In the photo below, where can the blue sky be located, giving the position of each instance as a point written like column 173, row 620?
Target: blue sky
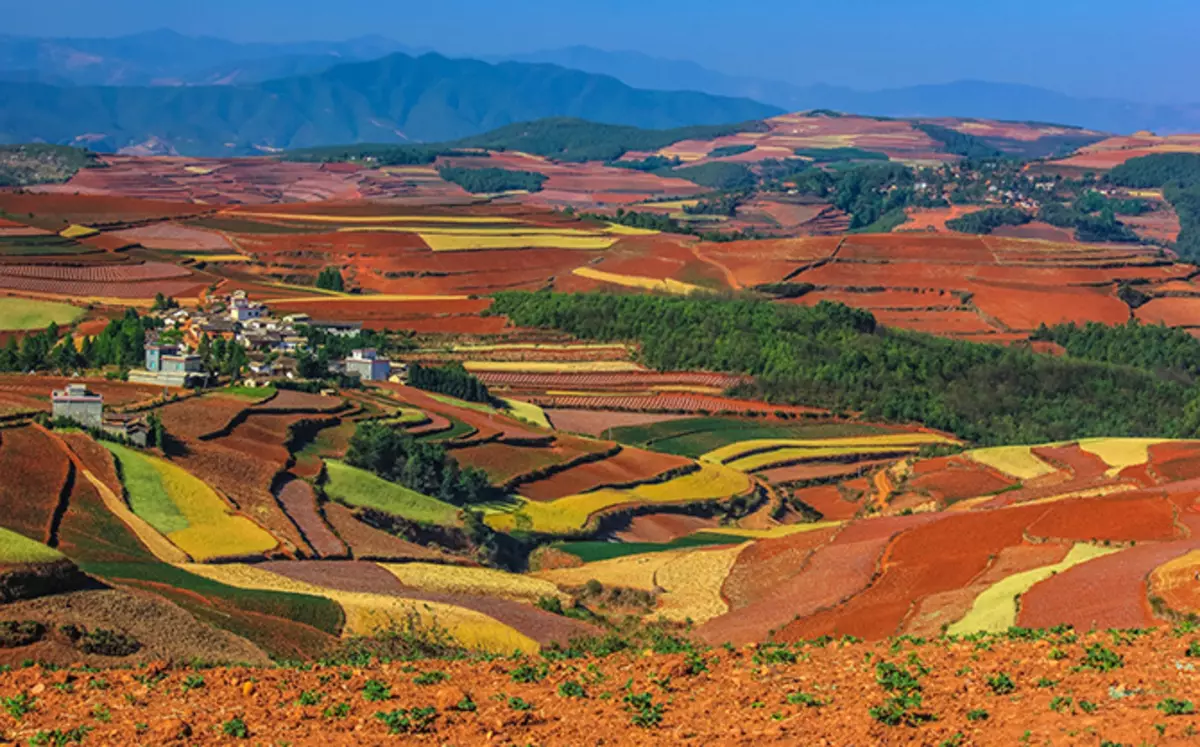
column 1143, row 50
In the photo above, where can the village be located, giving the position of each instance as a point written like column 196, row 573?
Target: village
column 269, row 349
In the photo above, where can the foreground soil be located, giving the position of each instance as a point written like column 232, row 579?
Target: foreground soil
column 1098, row 688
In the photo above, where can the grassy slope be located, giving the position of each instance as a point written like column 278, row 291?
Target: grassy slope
column 592, row 551
column 148, row 497
column 692, row 437
column 360, row 488
column 24, row 313
column 17, row 548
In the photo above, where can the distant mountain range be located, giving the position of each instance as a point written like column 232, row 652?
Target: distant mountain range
column 394, row 99
column 968, row 98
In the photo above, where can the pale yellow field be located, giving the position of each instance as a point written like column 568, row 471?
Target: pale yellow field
column 785, row 530
column 620, row 230
column 74, row 231
column 671, row 205
column 629, row 571
column 1175, row 573
column 1014, row 461
column 451, row 579
column 371, row 219
column 995, row 610
column 219, row 257
column 200, row 170
column 1096, row 492
column 1119, row 453
column 865, row 443
column 367, row 614
column 553, row 366
column 692, row 388
column 636, row 281
column 530, row 413
column 213, row 531
column 570, row 514
column 461, row 242
column 692, row 582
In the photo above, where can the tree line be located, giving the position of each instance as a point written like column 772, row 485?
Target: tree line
column 834, row 356
column 451, row 380
column 1178, row 175
column 421, row 466
column 492, row 179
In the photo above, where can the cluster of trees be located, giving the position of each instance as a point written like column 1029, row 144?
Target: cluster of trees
column 331, row 279
column 1099, row 227
column 835, row 356
column 222, row 356
column 452, row 380
column 493, row 179
column 650, row 163
column 1178, row 175
column 575, row 140
column 667, row 224
column 424, row 467
column 833, row 155
column 725, row 151
column 1154, row 347
column 960, row 143
column 987, row 220
column 122, row 344
column 322, row 347
column 719, row 175
column 380, row 153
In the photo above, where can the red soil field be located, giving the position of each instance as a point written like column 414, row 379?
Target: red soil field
column 589, row 381
column 629, row 465
column 829, row 500
column 1107, row 592
column 28, row 503
column 939, row 556
column 956, row 478
column 882, row 299
column 95, row 458
column 97, row 273
column 116, row 393
column 934, row 219
column 300, row 503
column 935, row 322
column 368, row 543
column 1171, row 311
column 199, row 416
column 893, row 247
column 817, row 471
column 1036, row 230
column 93, row 210
column 1082, row 465
column 663, row 527
column 1139, row 517
column 1024, row 309
column 486, row 424
column 504, row 462
column 762, row 567
column 666, row 403
column 176, row 237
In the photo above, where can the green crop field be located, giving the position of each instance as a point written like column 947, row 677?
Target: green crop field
column 148, row 497
column 360, row 488
column 17, row 548
column 458, row 429
column 589, row 552
column 24, row 313
column 19, row 246
column 693, row 437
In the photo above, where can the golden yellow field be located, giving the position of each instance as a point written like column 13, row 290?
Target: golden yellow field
column 619, row 230
column 461, row 242
column 451, row 579
column 671, row 204
column 995, row 610
column 530, row 413
column 75, row 231
column 691, row 584
column 1015, row 461
column 199, row 170
column 867, row 444
column 553, row 366
column 636, row 281
column 783, row 530
column 628, row 571
column 219, row 257
column 570, row 514
column 780, row 457
column 213, row 532
column 1119, row 453
column 371, row 219
column 367, row 614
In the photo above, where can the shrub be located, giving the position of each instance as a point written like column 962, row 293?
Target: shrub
column 18, row 705
column 804, row 699
column 431, row 678
column 408, row 720
column 528, row 674
column 14, row 634
column 236, row 728
column 1173, row 707
column 551, row 604
column 646, row 713
column 1001, row 684
column 100, row 641
column 1193, row 649
column 977, row 714
column 572, row 689
column 375, row 691
column 519, row 704
column 309, row 698
column 1101, row 659
column 192, row 682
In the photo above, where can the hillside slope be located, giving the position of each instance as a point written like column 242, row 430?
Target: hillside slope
column 393, row 99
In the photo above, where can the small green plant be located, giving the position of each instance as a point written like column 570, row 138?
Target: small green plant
column 339, row 711
column 98, row 684
column 646, row 714
column 904, row 705
column 1193, row 650
column 963, row 671
column 466, row 705
column 696, row 663
column 59, row 737
column 1101, row 659
column 19, row 705
column 236, row 728
column 529, row 674
column 1087, row 706
column 774, row 653
column 1173, row 707
column 408, row 720
column 375, row 691
column 1001, row 684
column 572, row 689
column 431, row 678
column 1057, row 654
column 309, row 698
column 977, row 714
column 101, row 713
column 804, row 699
column 519, row 704
column 1060, row 703
column 551, row 604
column 192, row 682
column 1046, row 682
column 954, row 740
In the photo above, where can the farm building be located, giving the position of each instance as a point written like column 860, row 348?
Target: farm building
column 76, row 403
column 366, row 365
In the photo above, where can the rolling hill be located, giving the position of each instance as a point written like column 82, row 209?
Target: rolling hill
column 394, row 99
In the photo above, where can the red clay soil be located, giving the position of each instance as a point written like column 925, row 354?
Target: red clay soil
column 116, row 393
column 505, row 462
column 35, row 470
column 1025, row 309
column 95, row 458
column 1171, row 311
column 736, row 701
column 939, row 556
column 368, row 543
column 955, row 479
column 1107, row 592
column 799, row 473
column 543, row 627
column 595, row 423
column 663, row 527
column 1138, row 517
column 300, row 503
column 199, row 416
column 829, row 500
column 627, row 466
column 762, row 567
column 931, row 614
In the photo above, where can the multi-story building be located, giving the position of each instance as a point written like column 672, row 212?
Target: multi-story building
column 76, row 403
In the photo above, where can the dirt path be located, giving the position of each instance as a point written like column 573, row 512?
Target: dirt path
column 729, row 276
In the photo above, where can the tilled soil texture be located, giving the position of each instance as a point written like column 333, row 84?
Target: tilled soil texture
column 1060, row 689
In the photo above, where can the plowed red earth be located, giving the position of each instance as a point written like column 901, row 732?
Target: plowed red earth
column 368, row 543
column 34, row 470
column 829, row 501
column 300, row 503
column 954, row 478
column 595, row 423
column 628, row 466
column 1136, row 518
column 736, row 701
column 663, row 527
